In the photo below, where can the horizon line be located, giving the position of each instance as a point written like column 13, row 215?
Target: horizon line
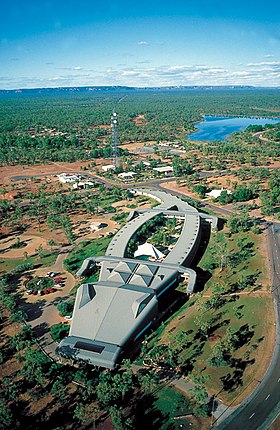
column 138, row 88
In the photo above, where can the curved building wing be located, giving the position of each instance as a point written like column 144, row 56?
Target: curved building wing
column 114, row 312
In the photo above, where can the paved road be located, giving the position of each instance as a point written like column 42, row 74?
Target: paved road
column 203, row 174
column 264, row 403
column 218, row 209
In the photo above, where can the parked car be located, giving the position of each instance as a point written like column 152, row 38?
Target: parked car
column 68, row 318
column 51, row 274
column 51, row 290
column 34, row 292
column 45, row 291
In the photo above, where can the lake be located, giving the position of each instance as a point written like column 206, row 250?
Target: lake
column 220, row 127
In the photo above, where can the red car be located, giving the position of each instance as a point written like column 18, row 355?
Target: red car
column 51, row 290
column 45, row 291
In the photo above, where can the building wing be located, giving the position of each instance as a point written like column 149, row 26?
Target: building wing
column 114, row 312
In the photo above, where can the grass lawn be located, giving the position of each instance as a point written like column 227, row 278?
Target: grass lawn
column 172, row 403
column 86, row 249
column 251, row 355
column 39, row 283
column 107, row 199
column 249, row 359
column 48, row 258
column 248, row 314
column 256, row 263
column 93, row 278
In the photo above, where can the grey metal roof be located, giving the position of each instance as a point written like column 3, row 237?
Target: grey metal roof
column 109, row 315
column 119, row 242
column 124, row 302
column 146, row 269
column 105, row 356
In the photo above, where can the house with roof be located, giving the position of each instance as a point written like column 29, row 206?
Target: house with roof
column 68, row 177
column 216, row 193
column 166, row 170
column 108, row 167
column 127, row 175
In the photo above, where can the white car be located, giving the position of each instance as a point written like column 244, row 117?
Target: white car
column 51, row 274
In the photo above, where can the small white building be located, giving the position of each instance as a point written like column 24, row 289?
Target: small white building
column 167, row 170
column 83, row 184
column 108, row 167
column 127, row 175
column 68, row 177
column 146, row 163
column 216, row 193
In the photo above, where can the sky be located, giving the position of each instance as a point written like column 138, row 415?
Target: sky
column 65, row 43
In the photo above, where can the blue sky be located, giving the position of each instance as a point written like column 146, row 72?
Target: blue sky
column 47, row 43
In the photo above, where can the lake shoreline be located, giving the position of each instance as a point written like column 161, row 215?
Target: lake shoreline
column 220, row 127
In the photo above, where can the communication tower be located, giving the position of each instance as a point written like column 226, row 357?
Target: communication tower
column 115, row 148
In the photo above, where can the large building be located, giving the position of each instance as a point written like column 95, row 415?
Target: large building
column 112, row 314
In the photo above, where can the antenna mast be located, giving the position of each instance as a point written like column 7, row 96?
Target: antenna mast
column 115, row 149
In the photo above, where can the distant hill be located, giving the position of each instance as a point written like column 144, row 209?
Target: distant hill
column 63, row 90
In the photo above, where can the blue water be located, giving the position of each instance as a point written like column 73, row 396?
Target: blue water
column 220, row 127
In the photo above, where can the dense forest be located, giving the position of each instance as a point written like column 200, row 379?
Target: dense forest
column 69, row 127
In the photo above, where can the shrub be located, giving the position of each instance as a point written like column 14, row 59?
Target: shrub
column 59, row 331
column 66, row 308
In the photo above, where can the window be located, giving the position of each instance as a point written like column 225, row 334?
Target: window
column 89, row 347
